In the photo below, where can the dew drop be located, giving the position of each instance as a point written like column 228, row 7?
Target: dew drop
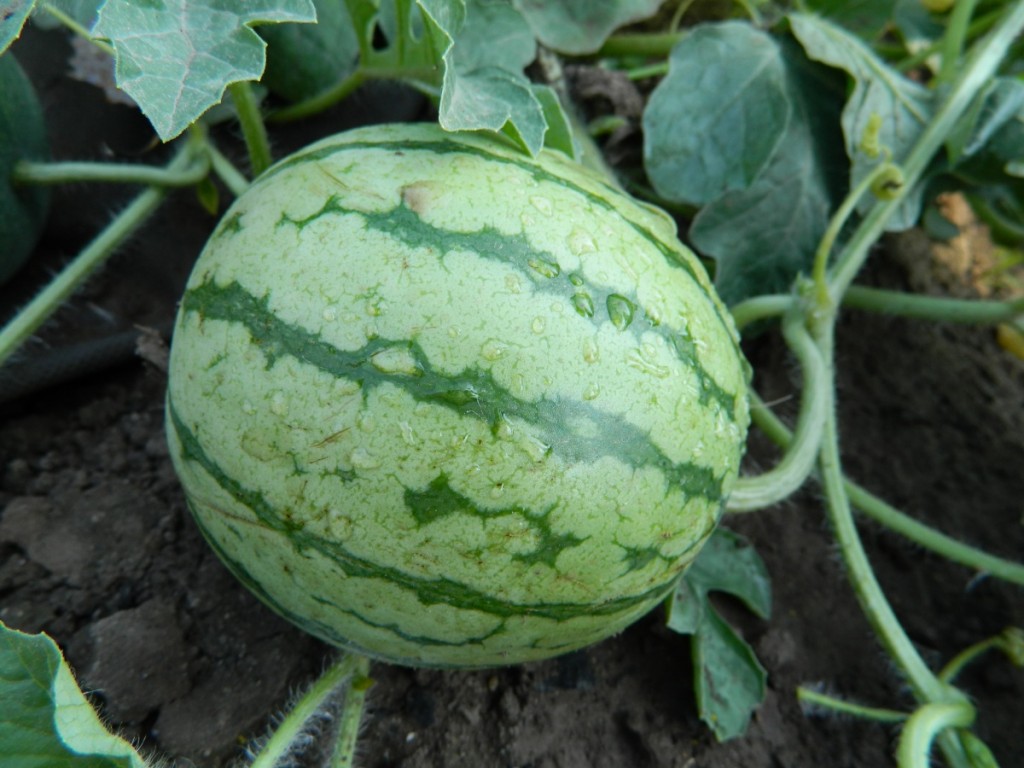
column 497, row 490
column 278, row 404
column 538, row 325
column 591, row 392
column 503, row 429
column 513, row 283
column 576, row 279
column 408, row 437
column 518, row 385
column 580, row 242
column 544, row 267
column 366, row 422
column 330, row 314
column 591, row 352
column 583, row 304
column 363, row 459
column 248, row 408
column 454, row 331
column 620, row 310
column 493, row 350
column 396, row 360
column 542, row 204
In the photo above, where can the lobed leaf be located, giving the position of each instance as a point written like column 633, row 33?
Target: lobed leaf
column 762, row 236
column 881, row 95
column 729, row 681
column 581, row 26
column 13, row 15
column 176, row 57
column 713, row 123
column 44, row 717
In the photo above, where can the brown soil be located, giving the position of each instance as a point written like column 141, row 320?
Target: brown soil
column 97, row 548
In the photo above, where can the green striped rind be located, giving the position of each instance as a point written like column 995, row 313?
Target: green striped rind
column 446, row 405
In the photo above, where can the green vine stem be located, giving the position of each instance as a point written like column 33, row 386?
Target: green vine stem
column 43, row 173
column 233, row 179
column 351, row 714
column 1010, row 641
column 348, row 672
column 651, row 45
column 816, row 699
column 927, row 723
column 77, row 28
column 980, row 66
column 939, row 309
column 759, row 308
column 52, row 296
column 892, row 518
column 953, row 40
column 797, row 464
column 253, row 129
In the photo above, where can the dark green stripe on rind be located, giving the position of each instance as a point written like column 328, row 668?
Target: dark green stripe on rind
column 473, row 393
column 439, row 591
column 537, row 172
column 403, row 224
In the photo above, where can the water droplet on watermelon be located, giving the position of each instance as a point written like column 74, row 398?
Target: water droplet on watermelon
column 544, row 267
column 538, row 324
column 591, row 392
column 363, row 459
column 620, row 310
column 583, row 304
column 580, row 242
column 591, row 352
column 279, row 404
column 542, row 204
column 407, row 434
column 366, row 422
column 493, row 350
column 330, row 314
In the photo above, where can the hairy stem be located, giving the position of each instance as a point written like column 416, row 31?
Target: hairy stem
column 925, row 725
column 43, row 173
column 812, row 698
column 352, row 714
column 53, row 295
column 939, row 309
column 282, row 741
column 797, row 464
column 892, row 518
column 233, row 178
column 253, row 129
column 653, row 45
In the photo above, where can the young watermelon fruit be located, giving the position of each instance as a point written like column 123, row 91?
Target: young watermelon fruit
column 22, row 136
column 446, row 405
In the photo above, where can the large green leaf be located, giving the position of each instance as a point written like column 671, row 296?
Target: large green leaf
column 176, row 57
column 581, row 26
column 762, row 236
column 883, row 104
column 303, row 60
column 729, row 680
column 44, row 718
column 13, row 14
column 713, row 123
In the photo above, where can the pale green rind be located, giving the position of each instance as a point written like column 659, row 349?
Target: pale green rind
column 399, row 424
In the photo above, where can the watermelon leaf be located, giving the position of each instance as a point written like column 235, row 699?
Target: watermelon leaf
column 762, row 236
column 13, row 14
column 880, row 94
column 715, row 120
column 44, row 717
column 176, row 57
column 729, row 681
column 581, row 26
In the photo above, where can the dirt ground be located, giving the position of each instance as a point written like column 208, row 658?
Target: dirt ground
column 98, row 550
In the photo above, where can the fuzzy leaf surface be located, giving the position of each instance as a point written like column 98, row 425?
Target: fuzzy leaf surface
column 729, row 680
column 762, row 236
column 581, row 26
column 879, row 93
column 713, row 123
column 176, row 57
column 44, row 717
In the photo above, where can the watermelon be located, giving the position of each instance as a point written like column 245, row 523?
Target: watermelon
column 444, row 404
